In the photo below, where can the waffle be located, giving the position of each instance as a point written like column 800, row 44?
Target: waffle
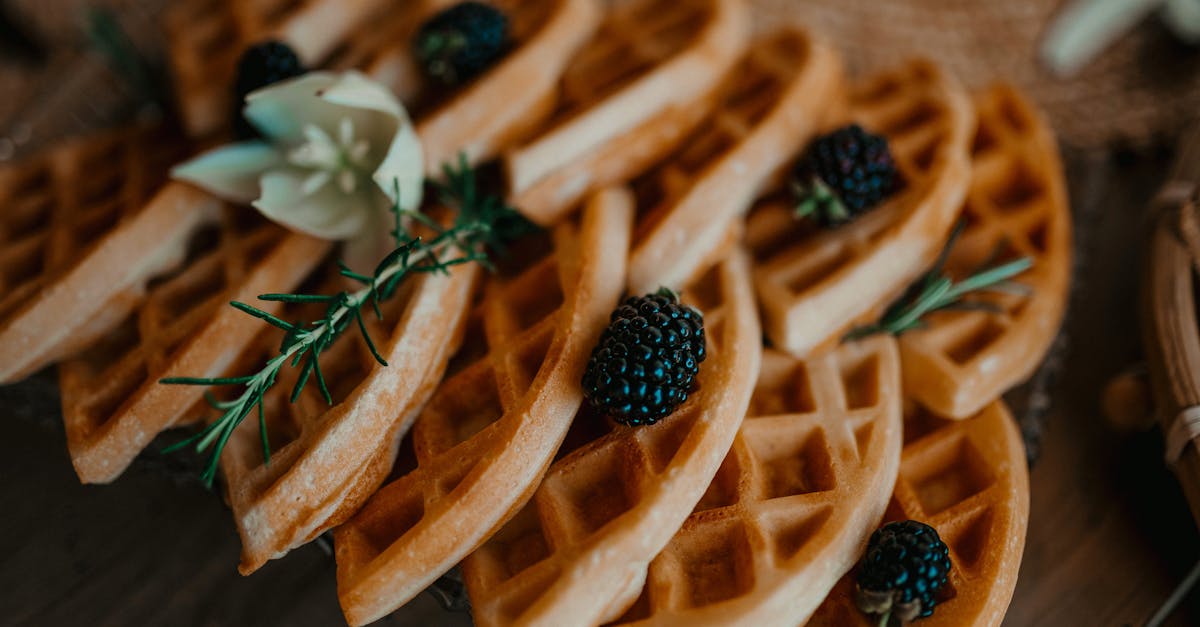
column 327, row 460
column 578, row 552
column 1017, row 206
column 627, row 99
column 968, row 480
column 113, row 405
column 546, row 34
column 769, row 107
column 805, row 483
column 76, row 250
column 206, row 38
column 812, row 289
column 491, row 429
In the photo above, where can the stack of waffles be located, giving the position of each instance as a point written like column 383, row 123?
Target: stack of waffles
column 652, row 139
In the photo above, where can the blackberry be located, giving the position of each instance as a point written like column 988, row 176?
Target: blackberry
column 263, row 64
column 905, row 566
column 647, row 359
column 842, row 175
column 461, row 42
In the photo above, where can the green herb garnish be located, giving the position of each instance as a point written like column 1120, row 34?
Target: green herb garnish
column 936, row 291
column 483, row 222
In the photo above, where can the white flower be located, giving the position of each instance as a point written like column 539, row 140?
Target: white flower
column 336, row 148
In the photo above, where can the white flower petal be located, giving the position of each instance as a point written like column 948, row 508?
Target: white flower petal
column 404, row 164
column 281, row 111
column 327, row 213
column 355, row 90
column 363, row 253
column 232, row 171
column 380, row 115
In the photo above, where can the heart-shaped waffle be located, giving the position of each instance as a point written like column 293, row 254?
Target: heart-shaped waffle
column 628, row 98
column 968, row 480
column 812, row 289
column 489, row 432
column 805, row 483
column 1016, row 207
column 207, row 37
column 768, row 108
column 113, row 404
column 578, row 552
column 546, row 34
column 73, row 217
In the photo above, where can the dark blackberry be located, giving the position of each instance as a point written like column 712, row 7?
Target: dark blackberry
column 842, row 175
column 905, row 566
column 263, row 64
column 646, row 361
column 461, row 42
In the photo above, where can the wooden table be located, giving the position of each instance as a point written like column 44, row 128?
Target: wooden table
column 1109, row 537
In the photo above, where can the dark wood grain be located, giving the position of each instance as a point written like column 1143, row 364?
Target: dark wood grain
column 1109, row 534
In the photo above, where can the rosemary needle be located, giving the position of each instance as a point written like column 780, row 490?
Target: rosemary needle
column 936, row 291
column 483, row 222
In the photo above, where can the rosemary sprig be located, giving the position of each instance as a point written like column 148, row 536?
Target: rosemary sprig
column 483, row 222
column 935, row 291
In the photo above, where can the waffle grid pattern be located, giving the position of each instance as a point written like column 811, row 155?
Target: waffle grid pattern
column 384, row 52
column 622, row 104
column 112, row 402
column 206, row 38
column 768, row 108
column 786, row 514
column 815, row 290
column 328, row 459
column 515, row 385
column 572, row 541
column 1017, row 207
column 968, row 480
column 53, row 214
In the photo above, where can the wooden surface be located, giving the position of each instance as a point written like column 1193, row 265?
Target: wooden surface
column 1109, row 536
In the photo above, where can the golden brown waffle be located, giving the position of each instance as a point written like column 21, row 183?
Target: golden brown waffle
column 769, row 107
column 968, row 480
column 627, row 99
column 546, row 34
column 78, row 241
column 1016, row 207
column 206, row 38
column 813, row 288
column 804, row 485
column 326, row 460
column 578, row 552
column 491, row 429
column 113, row 404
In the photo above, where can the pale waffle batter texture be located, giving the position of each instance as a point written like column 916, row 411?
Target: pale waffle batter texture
column 770, row 106
column 643, row 82
column 607, row 506
column 72, row 215
column 492, row 427
column 814, row 289
column 968, row 480
column 1016, row 207
column 113, row 403
column 807, row 479
column 653, row 140
column 506, row 104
